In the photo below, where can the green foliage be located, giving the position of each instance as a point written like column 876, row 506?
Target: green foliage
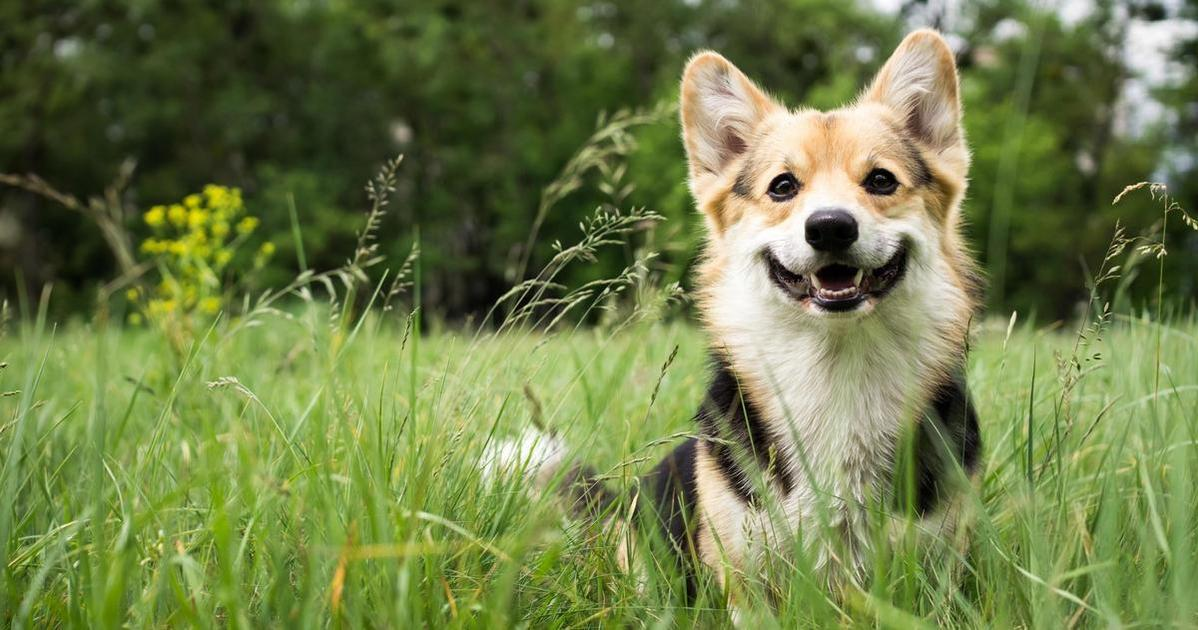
column 274, row 479
column 318, row 463
column 292, row 101
column 321, row 465
column 1042, row 116
column 194, row 252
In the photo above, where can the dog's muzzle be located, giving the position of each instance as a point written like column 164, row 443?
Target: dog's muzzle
column 838, row 287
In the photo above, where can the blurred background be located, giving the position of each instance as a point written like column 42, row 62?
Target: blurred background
column 299, row 101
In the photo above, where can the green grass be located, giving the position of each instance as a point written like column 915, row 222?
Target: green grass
column 332, row 484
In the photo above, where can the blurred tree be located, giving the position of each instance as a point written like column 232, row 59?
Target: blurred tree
column 298, row 101
column 1053, row 144
column 1180, row 127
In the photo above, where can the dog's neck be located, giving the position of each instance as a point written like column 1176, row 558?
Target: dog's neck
column 836, row 394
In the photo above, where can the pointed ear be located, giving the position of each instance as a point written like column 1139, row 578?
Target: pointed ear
column 720, row 109
column 919, row 82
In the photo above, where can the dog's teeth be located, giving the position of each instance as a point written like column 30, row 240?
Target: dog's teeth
column 830, row 294
column 815, row 283
column 857, row 278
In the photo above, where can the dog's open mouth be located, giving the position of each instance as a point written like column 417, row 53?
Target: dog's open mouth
column 838, row 287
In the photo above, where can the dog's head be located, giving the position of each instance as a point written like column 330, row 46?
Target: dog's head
column 831, row 215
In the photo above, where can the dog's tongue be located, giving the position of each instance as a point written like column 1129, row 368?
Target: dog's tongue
column 837, row 277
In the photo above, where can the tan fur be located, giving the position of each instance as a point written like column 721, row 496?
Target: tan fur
column 738, row 139
column 717, row 525
column 833, row 386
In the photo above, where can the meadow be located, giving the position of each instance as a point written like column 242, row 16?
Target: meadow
column 273, row 411
column 300, row 474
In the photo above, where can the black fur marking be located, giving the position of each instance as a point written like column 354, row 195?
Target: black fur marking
column 743, row 186
column 587, row 492
column 948, row 437
column 913, row 158
column 956, row 412
column 728, row 419
column 673, row 488
column 919, row 166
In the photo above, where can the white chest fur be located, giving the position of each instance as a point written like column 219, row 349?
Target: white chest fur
column 836, row 396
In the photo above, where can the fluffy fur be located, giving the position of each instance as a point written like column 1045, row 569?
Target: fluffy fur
column 808, row 403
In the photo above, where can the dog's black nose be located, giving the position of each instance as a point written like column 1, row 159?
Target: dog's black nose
column 831, row 230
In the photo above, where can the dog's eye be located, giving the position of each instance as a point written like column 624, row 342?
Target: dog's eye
column 784, row 187
column 880, row 182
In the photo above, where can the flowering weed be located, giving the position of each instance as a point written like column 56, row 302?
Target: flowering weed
column 197, row 247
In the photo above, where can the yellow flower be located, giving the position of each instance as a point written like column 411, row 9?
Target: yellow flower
column 196, row 218
column 193, row 247
column 177, row 214
column 162, row 307
column 152, row 246
column 222, row 197
column 234, row 201
column 167, row 287
column 135, row 319
column 247, row 225
column 264, row 254
column 155, row 217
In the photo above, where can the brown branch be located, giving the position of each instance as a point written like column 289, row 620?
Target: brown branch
column 106, row 212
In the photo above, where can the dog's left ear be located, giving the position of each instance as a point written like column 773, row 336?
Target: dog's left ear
column 919, row 82
column 720, row 109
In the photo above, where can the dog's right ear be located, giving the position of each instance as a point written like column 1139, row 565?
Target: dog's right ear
column 720, row 109
column 919, row 82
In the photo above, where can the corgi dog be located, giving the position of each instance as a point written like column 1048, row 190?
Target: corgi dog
column 837, row 294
